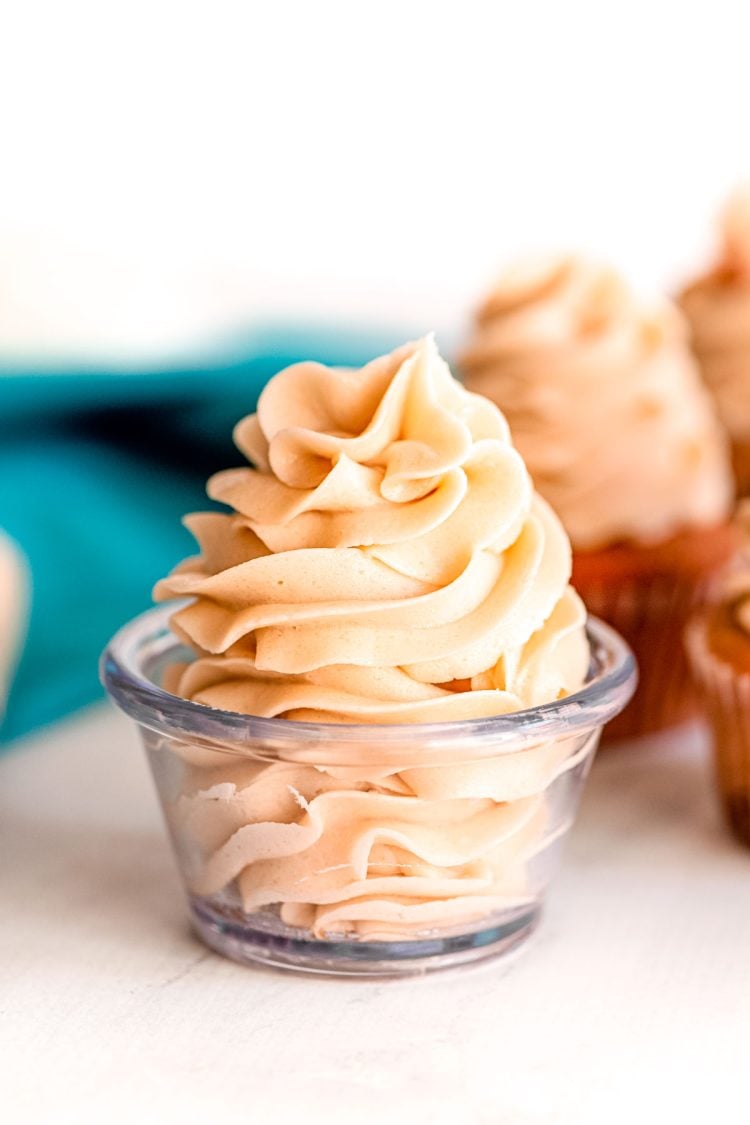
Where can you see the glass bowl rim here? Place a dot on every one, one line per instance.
(606, 691)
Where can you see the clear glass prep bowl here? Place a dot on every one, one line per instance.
(365, 849)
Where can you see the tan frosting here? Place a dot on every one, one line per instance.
(387, 543)
(603, 400)
(718, 308)
(386, 561)
(382, 853)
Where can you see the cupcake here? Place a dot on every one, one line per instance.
(607, 409)
(717, 306)
(388, 696)
(718, 642)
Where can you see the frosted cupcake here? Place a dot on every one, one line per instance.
(388, 696)
(719, 646)
(718, 308)
(606, 407)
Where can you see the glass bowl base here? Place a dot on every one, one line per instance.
(288, 948)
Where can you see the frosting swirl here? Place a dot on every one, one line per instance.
(603, 400)
(386, 546)
(718, 308)
(386, 560)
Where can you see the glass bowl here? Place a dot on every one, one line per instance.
(363, 849)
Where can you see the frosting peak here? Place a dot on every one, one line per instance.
(603, 400)
(386, 559)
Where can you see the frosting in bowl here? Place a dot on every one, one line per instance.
(373, 851)
(718, 308)
(604, 403)
(385, 561)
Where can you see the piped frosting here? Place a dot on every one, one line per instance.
(604, 402)
(385, 560)
(385, 548)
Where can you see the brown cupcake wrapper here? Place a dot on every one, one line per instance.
(727, 696)
(651, 614)
(741, 466)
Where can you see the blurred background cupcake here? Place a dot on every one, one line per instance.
(717, 305)
(607, 409)
(719, 646)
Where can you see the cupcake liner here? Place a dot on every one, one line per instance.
(727, 697)
(651, 614)
(741, 466)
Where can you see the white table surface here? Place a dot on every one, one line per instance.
(632, 1003)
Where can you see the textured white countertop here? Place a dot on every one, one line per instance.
(632, 1003)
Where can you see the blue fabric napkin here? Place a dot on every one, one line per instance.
(98, 465)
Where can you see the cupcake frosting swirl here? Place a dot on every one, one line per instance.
(604, 402)
(718, 308)
(386, 559)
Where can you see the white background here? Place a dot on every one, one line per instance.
(171, 167)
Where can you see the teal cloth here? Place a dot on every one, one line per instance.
(98, 465)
